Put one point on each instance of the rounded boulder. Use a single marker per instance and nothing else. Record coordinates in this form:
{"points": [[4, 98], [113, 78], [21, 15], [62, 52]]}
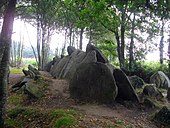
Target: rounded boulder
{"points": [[93, 82]]}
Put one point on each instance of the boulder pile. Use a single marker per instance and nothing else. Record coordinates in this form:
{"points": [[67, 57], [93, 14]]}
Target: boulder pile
{"points": [[92, 77]]}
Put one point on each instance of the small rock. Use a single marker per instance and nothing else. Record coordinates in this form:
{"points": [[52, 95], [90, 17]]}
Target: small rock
{"points": [[163, 116], [148, 103], [151, 90]]}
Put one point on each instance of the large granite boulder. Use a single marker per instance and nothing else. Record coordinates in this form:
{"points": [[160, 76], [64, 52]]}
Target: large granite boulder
{"points": [[70, 50], [160, 79], [110, 66], [163, 117], [68, 64], [125, 89], [100, 56], [136, 81], [57, 68], [93, 82], [54, 66], [50, 64], [82, 57], [66, 67], [152, 91]]}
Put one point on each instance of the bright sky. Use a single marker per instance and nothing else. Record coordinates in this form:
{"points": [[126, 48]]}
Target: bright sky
{"points": [[28, 33]]}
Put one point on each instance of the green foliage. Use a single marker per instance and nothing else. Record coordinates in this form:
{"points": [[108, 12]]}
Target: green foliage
{"points": [[145, 69], [108, 47]]}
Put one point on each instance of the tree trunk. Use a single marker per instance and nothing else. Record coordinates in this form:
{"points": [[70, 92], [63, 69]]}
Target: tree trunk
{"points": [[64, 45], [131, 57], [118, 47], [21, 53], [169, 52], [90, 36], [38, 43], [70, 34], [81, 37], [5, 42], [43, 47], [47, 46], [161, 45], [122, 36], [122, 46], [15, 59]]}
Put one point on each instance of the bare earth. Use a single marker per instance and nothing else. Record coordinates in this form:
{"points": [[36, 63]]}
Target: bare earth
{"points": [[59, 98]]}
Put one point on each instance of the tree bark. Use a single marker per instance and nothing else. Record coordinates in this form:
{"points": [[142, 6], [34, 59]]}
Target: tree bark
{"points": [[161, 45], [46, 38], [38, 43], [118, 47], [43, 46], [131, 57], [5, 42], [70, 34], [65, 41], [90, 36], [122, 58], [122, 36], [169, 53], [81, 37]]}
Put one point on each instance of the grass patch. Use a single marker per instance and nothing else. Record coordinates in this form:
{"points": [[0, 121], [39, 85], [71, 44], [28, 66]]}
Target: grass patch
{"points": [[64, 121], [63, 118], [30, 61], [13, 123], [21, 111], [16, 99], [120, 124], [19, 117], [15, 71]]}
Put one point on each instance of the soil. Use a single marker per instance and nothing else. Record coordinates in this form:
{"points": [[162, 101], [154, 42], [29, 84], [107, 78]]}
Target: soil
{"points": [[96, 115]]}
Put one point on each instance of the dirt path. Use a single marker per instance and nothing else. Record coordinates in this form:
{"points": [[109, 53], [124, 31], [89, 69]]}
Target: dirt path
{"points": [[139, 119], [59, 98]]}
